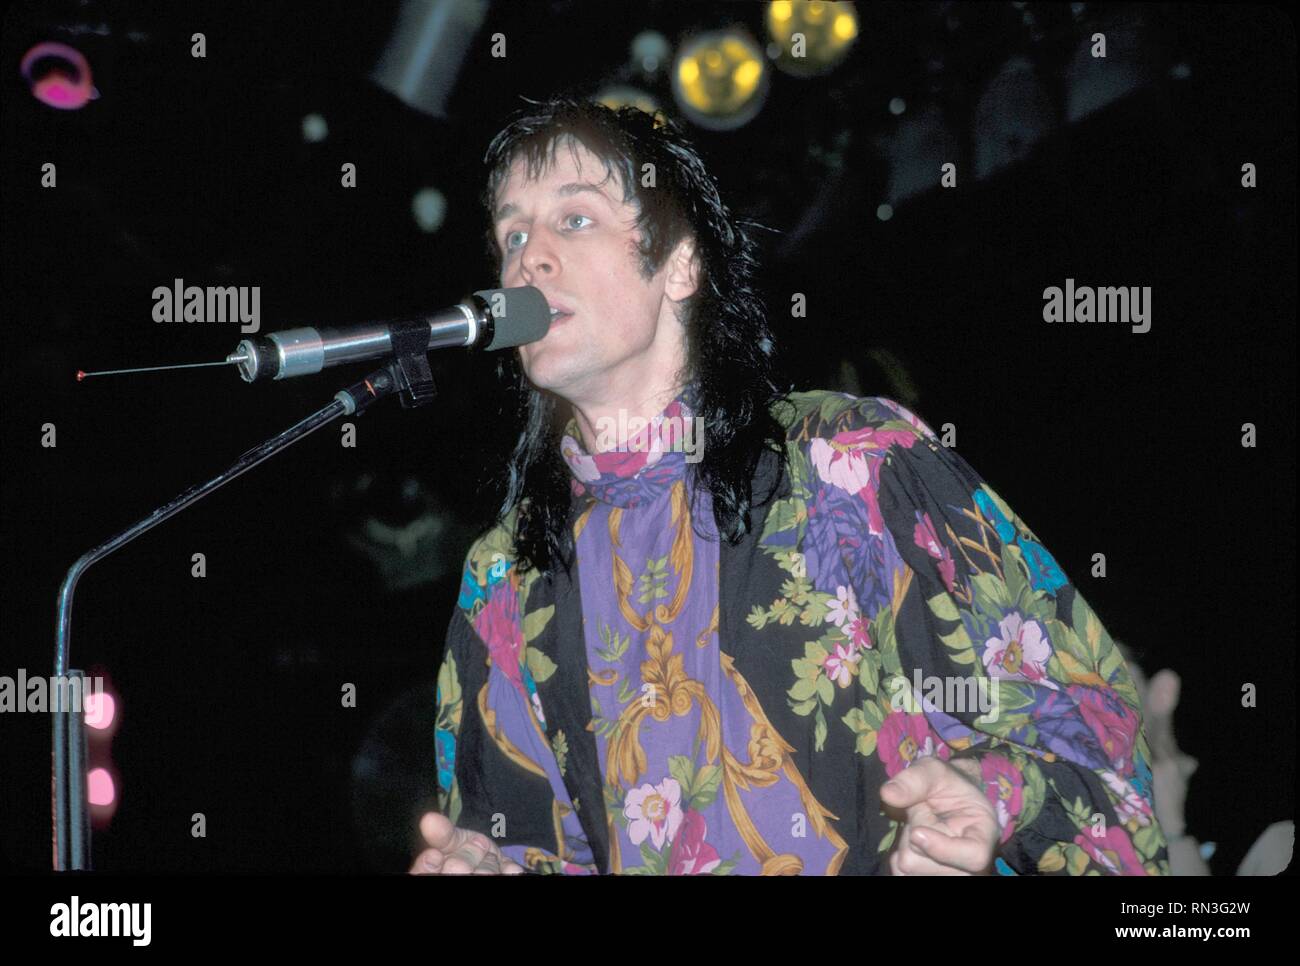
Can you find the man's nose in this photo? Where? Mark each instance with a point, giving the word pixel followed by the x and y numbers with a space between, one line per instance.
pixel 538 258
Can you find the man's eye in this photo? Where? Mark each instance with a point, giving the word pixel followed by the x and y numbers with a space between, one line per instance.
pixel 568 221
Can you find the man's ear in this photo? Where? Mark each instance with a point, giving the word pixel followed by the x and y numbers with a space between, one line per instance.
pixel 683 271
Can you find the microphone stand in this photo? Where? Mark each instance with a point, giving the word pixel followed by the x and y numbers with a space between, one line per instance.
pixel 407 373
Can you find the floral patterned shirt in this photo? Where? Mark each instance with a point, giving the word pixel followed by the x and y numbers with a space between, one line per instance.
pixel 742 704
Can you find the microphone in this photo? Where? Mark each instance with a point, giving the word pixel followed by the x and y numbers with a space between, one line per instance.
pixel 494 318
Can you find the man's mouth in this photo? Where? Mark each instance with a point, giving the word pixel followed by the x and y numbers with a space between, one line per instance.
pixel 558 316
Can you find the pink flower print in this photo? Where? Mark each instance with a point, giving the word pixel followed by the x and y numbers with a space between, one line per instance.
pixel 927 538
pixel 859 633
pixel 654 810
pixel 842 666
pixel 1020 652
pixel 906 737
pixel 1112 851
pixel 1132 806
pixel 843 608
pixel 842 460
pixel 1004 784
pixel 840 466
pixel 691 855
pixel 1113 722
pixel 498 624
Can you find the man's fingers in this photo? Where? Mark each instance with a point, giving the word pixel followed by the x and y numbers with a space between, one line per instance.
pixel 489 865
pixel 460 863
pixel 972 851
pixel 458 851
pixel 912 784
pixel 428 862
pixel 468 853
pixel 489 862
pixel 437 830
pixel 908 858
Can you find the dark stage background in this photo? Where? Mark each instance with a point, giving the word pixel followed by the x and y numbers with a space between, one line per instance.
pixel 332 565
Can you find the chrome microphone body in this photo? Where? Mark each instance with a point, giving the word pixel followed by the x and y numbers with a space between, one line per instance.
pixel 491 319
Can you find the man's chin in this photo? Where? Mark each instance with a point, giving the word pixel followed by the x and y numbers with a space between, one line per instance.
pixel 547 372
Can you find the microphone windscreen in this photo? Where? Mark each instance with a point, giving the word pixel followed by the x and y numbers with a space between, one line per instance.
pixel 519 315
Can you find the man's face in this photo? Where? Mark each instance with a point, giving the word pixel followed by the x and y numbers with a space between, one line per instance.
pixel 570 234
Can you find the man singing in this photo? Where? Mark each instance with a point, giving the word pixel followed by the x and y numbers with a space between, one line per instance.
pixel 722 628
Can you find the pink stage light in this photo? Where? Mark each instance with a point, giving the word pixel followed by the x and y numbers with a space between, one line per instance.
pixel 66 86
pixel 100 786
pixel 100 710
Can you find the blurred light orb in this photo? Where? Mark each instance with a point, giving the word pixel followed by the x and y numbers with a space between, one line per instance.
pixel 429 209
pixel 828 29
pixel 720 79
pixel 897 106
pixel 314 128
pixel 651 51
pixel 885 212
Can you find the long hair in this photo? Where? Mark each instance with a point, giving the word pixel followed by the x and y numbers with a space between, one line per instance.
pixel 731 357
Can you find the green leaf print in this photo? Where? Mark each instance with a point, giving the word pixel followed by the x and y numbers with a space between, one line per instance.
pixel 682 769
pixel 651 583
pixel 539 665
pixel 705 789
pixel 819 731
pixel 943 607
pixel 535 622
pixel 560 746
pixel 615 644
pixel 759 618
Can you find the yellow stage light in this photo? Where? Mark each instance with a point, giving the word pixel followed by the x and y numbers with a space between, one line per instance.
pixel 811 36
pixel 720 79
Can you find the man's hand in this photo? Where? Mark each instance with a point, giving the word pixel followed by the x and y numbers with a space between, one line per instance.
pixel 1169 789
pixel 457 851
pixel 950 827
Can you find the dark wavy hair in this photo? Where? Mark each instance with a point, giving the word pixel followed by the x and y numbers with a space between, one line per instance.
pixel 731 357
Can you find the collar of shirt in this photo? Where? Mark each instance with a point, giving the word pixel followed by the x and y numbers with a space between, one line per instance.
pixel 647 456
